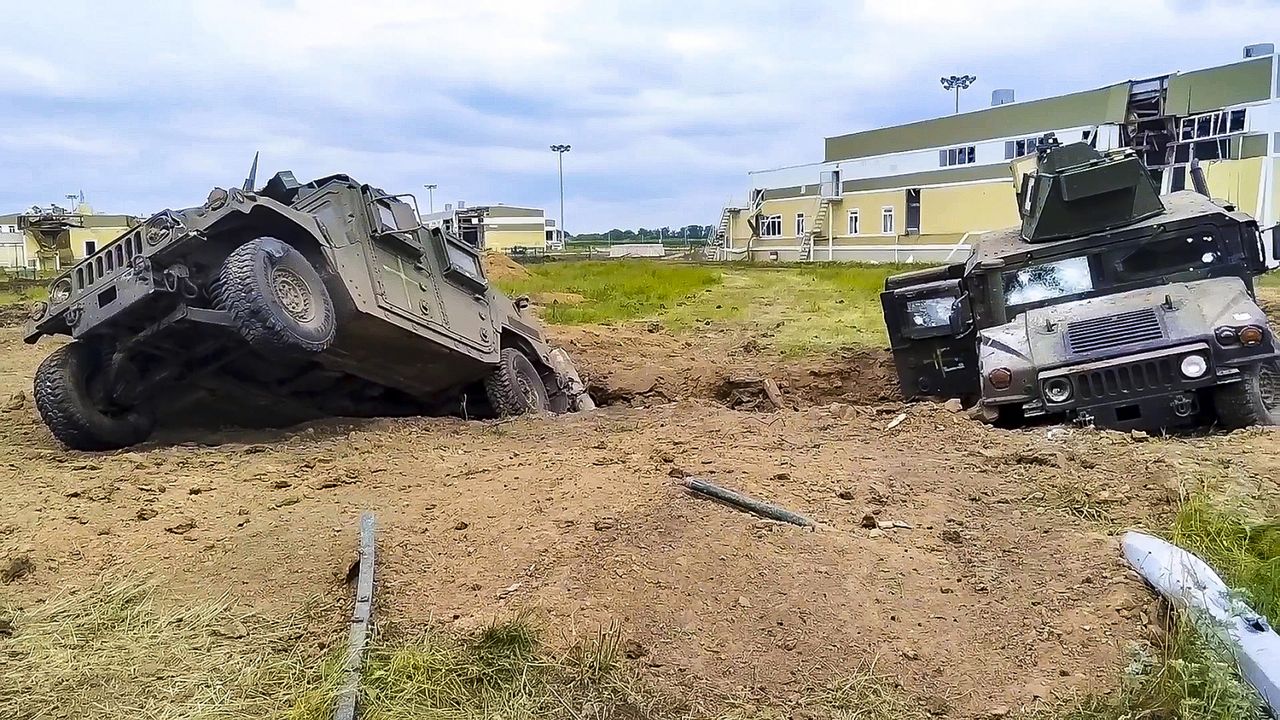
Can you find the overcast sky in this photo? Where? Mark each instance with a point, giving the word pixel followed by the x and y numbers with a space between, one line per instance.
pixel 667 103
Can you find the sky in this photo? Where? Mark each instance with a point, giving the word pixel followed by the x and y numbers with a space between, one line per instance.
pixel 667 104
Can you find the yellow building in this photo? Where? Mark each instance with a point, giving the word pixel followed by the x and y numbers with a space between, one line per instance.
pixel 501 228
pixel 921 191
pixel 48 239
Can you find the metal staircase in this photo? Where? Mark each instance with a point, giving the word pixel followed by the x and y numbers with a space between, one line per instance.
pixel 819 229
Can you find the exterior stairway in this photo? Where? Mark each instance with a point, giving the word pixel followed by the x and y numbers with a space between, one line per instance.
pixel 818 230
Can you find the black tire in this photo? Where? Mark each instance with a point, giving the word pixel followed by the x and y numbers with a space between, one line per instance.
pixel 1254 400
pixel 276 298
pixel 514 387
pixel 67 407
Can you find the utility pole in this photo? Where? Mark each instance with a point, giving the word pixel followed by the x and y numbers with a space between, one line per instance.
pixel 431 196
pixel 958 83
pixel 560 150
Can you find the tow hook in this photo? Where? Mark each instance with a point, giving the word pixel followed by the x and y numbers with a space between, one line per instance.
pixel 1184 405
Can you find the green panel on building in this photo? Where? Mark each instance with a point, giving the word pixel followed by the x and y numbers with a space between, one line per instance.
pixel 1215 88
pixel 1091 107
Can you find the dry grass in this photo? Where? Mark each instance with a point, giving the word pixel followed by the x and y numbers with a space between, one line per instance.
pixel 123 650
pixel 120 651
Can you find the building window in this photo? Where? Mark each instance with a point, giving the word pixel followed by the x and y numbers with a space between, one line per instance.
pixel 800 224
pixel 8 228
pixel 855 227
pixel 1018 148
pixel 886 220
pixel 913 211
pixel 771 226
pixel 966 155
pixel 1214 124
pixel 90 247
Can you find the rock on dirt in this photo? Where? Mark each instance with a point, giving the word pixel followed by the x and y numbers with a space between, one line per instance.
pixel 16 401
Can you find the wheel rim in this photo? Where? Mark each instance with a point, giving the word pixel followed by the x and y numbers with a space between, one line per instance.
pixel 1269 388
pixel 293 293
pixel 530 393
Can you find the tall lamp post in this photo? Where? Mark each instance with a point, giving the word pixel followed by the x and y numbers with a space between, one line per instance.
pixel 958 83
pixel 560 150
pixel 431 196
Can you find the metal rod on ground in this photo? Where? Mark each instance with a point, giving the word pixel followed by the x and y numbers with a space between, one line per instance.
pixel 763 509
pixel 345 708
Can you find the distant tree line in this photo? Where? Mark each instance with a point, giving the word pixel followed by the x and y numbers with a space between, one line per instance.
pixel 679 235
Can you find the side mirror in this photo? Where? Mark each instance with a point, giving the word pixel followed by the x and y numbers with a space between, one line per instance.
pixel 961 315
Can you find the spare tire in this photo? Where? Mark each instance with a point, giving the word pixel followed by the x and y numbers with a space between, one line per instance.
pixel 68 407
pixel 515 387
pixel 276 299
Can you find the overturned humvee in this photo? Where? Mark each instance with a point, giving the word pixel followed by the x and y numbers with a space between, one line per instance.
pixel 297 300
pixel 1109 305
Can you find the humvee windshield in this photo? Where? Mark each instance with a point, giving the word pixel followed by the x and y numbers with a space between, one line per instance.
pixel 1096 273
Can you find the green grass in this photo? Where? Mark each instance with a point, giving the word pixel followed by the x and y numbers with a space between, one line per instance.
pixel 1269 280
pixel 504 671
pixel 614 290
pixel 810 307
pixel 1190 675
pixel 22 297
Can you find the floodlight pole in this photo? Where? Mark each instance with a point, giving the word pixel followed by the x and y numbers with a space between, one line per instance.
pixel 560 150
pixel 431 196
pixel 958 83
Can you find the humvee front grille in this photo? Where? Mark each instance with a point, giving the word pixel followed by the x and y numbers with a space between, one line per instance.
pixel 1120 381
pixel 1085 336
pixel 107 260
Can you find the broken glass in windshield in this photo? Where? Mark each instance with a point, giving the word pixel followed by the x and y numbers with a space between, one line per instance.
pixel 1047 281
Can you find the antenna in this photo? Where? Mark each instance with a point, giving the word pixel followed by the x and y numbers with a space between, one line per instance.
pixel 252 180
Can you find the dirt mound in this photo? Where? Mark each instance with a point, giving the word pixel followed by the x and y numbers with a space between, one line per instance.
pixel 556 298
pixel 638 365
pixel 500 267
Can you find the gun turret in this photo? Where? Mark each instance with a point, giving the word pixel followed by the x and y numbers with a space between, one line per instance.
pixel 1076 190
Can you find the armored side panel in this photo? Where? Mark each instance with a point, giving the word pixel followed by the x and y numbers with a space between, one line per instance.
pixel 1075 190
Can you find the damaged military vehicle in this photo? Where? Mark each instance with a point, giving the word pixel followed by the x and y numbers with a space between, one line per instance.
pixel 295 301
pixel 1110 305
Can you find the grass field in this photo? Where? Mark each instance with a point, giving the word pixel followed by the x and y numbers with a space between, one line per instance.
pixel 806 308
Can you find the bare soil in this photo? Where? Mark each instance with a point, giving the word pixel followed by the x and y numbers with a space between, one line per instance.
pixel 990 576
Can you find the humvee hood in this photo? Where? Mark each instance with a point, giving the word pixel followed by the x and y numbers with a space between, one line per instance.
pixel 1148 318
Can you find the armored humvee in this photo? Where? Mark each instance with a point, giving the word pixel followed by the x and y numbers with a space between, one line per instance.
pixel 323 298
pixel 1109 305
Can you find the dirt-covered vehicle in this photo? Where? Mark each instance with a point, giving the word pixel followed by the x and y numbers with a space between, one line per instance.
pixel 1109 305
pixel 291 302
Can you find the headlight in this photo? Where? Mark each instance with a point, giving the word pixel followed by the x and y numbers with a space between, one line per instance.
pixel 61 291
pixel 1250 335
pixel 1000 378
pixel 1227 336
pixel 1194 366
pixel 1057 390
pixel 37 310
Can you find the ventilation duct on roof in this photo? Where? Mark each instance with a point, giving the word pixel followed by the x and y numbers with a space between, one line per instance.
pixel 1258 50
pixel 1003 96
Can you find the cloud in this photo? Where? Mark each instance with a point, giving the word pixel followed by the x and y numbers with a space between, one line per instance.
pixel 667 104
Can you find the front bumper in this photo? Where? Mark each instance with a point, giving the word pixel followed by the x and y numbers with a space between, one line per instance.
pixel 1144 391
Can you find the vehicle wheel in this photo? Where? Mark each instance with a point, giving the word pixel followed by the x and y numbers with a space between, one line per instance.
pixel 65 398
pixel 276 298
pixel 515 388
pixel 1254 400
